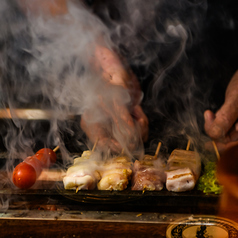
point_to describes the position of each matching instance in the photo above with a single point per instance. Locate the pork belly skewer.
(115, 174)
(83, 174)
(148, 174)
(184, 168)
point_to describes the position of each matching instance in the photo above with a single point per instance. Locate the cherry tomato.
(46, 156)
(35, 163)
(24, 176)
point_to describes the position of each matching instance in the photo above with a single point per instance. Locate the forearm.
(49, 7)
(116, 72)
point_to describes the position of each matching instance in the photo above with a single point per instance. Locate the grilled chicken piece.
(115, 174)
(85, 156)
(83, 174)
(148, 174)
(184, 168)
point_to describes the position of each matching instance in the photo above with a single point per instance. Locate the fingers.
(220, 128)
(129, 124)
(221, 147)
(220, 125)
(121, 131)
(54, 8)
(116, 72)
(142, 121)
(217, 126)
(209, 117)
(97, 132)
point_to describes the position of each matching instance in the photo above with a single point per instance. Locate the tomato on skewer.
(24, 176)
(46, 156)
(26, 173)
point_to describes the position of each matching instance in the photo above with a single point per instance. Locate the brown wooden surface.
(26, 228)
(51, 199)
(41, 223)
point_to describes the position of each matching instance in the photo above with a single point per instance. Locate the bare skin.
(222, 126)
(114, 72)
(223, 129)
(48, 7)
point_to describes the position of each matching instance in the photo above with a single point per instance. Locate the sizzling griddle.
(53, 193)
(193, 201)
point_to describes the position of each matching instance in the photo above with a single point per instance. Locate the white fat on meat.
(83, 174)
(180, 180)
(85, 156)
(184, 168)
(148, 174)
(86, 182)
(115, 174)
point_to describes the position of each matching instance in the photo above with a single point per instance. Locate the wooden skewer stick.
(95, 144)
(216, 150)
(144, 189)
(157, 150)
(122, 151)
(77, 189)
(56, 148)
(188, 145)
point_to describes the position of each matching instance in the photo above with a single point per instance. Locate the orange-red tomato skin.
(46, 156)
(26, 173)
(24, 176)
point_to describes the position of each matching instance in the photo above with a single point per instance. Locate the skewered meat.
(115, 174)
(148, 174)
(184, 169)
(83, 174)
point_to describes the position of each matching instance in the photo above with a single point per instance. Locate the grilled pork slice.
(148, 174)
(83, 174)
(115, 174)
(184, 168)
(180, 180)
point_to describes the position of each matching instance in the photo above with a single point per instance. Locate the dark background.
(209, 59)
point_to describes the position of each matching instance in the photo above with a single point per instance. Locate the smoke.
(49, 63)
(160, 40)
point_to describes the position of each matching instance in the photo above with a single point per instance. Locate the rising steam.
(49, 63)
(157, 38)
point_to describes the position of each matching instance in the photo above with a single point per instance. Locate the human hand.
(124, 129)
(222, 126)
(49, 7)
(129, 121)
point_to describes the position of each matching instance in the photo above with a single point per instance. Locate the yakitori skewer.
(27, 172)
(95, 144)
(145, 187)
(188, 145)
(83, 174)
(184, 167)
(86, 154)
(56, 148)
(157, 150)
(115, 172)
(148, 173)
(216, 150)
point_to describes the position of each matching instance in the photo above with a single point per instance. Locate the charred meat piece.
(148, 174)
(184, 169)
(115, 174)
